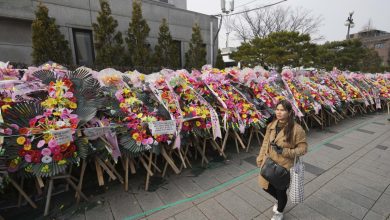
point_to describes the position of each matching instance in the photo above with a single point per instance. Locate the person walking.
(283, 141)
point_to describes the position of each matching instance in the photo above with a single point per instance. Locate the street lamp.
(349, 23)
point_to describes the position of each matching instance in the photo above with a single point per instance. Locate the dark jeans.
(280, 195)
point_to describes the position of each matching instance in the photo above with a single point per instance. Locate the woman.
(283, 141)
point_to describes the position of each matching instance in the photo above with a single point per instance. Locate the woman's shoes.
(275, 208)
(277, 216)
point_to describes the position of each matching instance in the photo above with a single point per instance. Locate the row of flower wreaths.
(52, 117)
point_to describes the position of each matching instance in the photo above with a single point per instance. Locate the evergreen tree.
(108, 42)
(278, 49)
(138, 31)
(219, 61)
(166, 52)
(47, 41)
(196, 55)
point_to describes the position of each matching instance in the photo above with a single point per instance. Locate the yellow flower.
(8, 99)
(56, 113)
(49, 102)
(142, 77)
(139, 115)
(198, 123)
(72, 105)
(61, 162)
(28, 169)
(126, 91)
(135, 136)
(45, 169)
(59, 83)
(21, 140)
(4, 107)
(244, 116)
(27, 147)
(47, 137)
(186, 123)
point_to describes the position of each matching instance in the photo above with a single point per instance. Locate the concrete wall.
(81, 14)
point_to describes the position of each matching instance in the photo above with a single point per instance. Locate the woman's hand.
(259, 160)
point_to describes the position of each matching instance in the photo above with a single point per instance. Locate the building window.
(83, 47)
(379, 45)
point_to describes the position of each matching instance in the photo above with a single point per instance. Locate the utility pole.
(349, 23)
(212, 37)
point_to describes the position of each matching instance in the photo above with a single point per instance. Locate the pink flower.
(147, 141)
(32, 122)
(68, 95)
(41, 143)
(56, 150)
(7, 131)
(27, 158)
(119, 96)
(48, 112)
(52, 143)
(46, 152)
(14, 126)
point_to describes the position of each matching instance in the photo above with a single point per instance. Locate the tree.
(166, 52)
(108, 42)
(196, 55)
(345, 55)
(278, 49)
(371, 61)
(138, 31)
(47, 41)
(262, 22)
(219, 63)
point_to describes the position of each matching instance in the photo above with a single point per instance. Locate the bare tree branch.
(261, 22)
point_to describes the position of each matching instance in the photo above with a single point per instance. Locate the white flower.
(46, 159)
(60, 123)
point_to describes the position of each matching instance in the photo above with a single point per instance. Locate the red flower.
(72, 148)
(36, 159)
(68, 154)
(22, 152)
(57, 157)
(23, 131)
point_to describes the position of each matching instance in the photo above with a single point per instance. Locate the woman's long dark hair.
(289, 129)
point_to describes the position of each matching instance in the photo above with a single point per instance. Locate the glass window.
(83, 46)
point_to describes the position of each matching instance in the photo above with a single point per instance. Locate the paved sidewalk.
(347, 177)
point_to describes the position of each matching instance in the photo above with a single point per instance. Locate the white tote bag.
(297, 181)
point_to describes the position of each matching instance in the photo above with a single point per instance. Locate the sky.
(333, 12)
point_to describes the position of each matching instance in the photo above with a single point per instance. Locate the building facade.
(377, 40)
(75, 20)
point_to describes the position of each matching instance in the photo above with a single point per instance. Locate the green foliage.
(138, 31)
(219, 61)
(196, 55)
(166, 53)
(348, 55)
(107, 41)
(345, 55)
(47, 41)
(278, 49)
